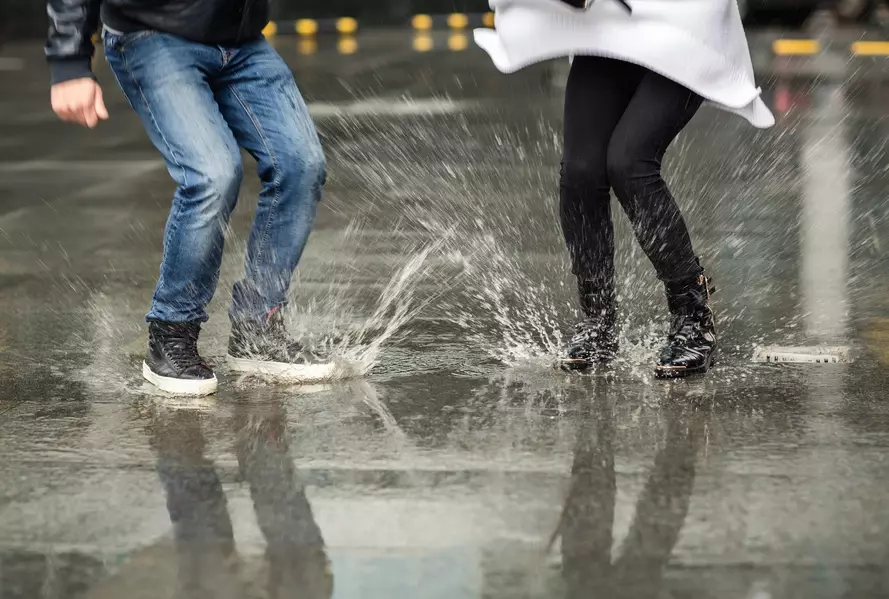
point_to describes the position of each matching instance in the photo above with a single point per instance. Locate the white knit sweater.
(698, 43)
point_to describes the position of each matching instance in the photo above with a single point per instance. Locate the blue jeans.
(199, 105)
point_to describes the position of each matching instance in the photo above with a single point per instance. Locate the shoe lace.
(181, 346)
(277, 334)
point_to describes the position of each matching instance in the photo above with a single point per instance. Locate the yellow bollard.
(458, 21)
(422, 22)
(307, 27)
(270, 29)
(347, 25)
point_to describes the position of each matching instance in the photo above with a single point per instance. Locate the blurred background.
(27, 18)
(448, 470)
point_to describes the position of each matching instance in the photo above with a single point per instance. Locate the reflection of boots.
(307, 575)
(595, 337)
(691, 345)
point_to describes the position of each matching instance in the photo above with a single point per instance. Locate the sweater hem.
(704, 71)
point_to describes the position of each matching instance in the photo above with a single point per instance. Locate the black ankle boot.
(173, 363)
(595, 337)
(691, 345)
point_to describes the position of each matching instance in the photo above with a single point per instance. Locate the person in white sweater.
(640, 71)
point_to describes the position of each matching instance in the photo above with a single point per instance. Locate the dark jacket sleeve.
(69, 45)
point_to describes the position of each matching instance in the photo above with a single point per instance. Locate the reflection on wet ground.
(462, 465)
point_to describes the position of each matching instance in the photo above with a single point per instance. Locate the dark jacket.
(69, 46)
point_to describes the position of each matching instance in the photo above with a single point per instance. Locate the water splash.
(510, 293)
(505, 312)
(357, 353)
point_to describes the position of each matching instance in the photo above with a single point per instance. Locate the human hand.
(79, 101)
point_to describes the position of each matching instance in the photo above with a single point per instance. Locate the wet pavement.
(461, 464)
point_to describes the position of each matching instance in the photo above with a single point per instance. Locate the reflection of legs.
(588, 516)
(201, 524)
(661, 508)
(296, 555)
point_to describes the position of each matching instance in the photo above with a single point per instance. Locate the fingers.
(101, 111)
(72, 112)
(62, 110)
(83, 115)
(89, 117)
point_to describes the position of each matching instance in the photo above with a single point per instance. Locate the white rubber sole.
(303, 373)
(178, 386)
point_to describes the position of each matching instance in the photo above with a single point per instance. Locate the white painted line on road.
(826, 215)
(112, 185)
(111, 166)
(384, 107)
(802, 355)
(124, 171)
(11, 64)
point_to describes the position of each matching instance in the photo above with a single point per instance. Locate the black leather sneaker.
(691, 345)
(265, 347)
(173, 363)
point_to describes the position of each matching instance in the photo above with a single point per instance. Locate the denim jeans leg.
(262, 105)
(165, 79)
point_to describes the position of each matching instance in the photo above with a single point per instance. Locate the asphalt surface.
(459, 464)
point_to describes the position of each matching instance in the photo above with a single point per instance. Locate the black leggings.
(619, 120)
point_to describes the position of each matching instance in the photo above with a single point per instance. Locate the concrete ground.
(461, 465)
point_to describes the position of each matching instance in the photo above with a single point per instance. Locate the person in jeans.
(640, 72)
(205, 83)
